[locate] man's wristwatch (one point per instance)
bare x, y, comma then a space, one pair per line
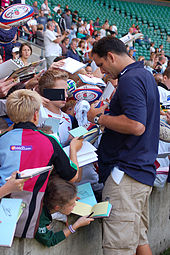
96, 118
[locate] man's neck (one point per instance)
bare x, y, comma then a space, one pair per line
53, 108
167, 85
123, 62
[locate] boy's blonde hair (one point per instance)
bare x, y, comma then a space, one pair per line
22, 104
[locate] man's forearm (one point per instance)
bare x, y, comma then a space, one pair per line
122, 124
58, 40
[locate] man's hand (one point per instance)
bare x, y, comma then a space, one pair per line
5, 86
94, 111
66, 33
56, 65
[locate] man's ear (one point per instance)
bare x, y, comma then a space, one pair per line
111, 57
165, 78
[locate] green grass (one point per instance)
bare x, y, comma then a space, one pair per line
167, 252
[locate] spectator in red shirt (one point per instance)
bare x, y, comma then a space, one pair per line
90, 27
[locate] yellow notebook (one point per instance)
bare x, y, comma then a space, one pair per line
99, 210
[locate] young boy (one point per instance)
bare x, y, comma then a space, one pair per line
58, 80
24, 147
60, 196
55, 80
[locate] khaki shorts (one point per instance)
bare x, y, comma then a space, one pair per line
127, 226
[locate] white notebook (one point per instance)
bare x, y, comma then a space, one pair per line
29, 173
7, 68
9, 213
85, 155
92, 80
71, 65
107, 92
127, 38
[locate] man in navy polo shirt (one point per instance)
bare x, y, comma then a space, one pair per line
128, 148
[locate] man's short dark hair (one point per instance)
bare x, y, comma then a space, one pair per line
167, 72
109, 44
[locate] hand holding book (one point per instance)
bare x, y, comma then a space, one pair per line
12, 185
29, 173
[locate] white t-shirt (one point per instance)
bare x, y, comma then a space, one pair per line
45, 9
65, 124
164, 94
56, 8
163, 147
152, 49
114, 28
32, 22
51, 48
102, 33
88, 27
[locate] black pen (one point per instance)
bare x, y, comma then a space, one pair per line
90, 215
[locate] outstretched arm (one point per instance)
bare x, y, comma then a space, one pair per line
12, 185
121, 123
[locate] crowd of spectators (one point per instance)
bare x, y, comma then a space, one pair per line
67, 25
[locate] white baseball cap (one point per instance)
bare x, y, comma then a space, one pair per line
15, 49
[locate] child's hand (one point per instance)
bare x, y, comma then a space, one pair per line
81, 222
76, 144
5, 86
14, 185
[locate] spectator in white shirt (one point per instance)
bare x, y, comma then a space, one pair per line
45, 8
51, 43
114, 28
56, 8
152, 49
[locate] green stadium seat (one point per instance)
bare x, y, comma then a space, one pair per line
153, 20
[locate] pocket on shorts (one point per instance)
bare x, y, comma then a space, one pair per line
120, 230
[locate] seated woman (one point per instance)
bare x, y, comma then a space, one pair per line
25, 52
60, 196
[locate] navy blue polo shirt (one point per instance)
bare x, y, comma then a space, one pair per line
137, 97
72, 54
